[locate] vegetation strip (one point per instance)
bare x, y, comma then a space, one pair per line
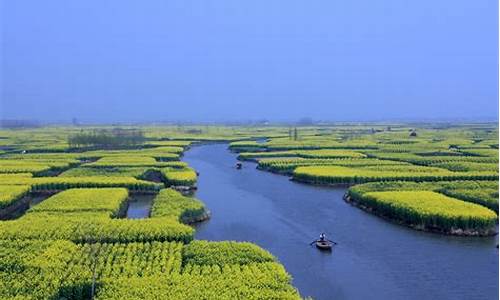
432, 211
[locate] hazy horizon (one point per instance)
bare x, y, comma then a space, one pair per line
6, 122
219, 61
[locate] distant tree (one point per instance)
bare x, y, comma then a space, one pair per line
107, 139
295, 134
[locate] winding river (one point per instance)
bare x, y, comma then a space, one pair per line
374, 259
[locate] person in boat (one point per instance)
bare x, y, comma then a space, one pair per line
322, 239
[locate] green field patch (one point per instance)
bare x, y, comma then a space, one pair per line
110, 201
431, 210
315, 142
480, 192
172, 204
64, 270
9, 194
34, 166
63, 183
181, 177
135, 172
486, 197
114, 171
82, 215
459, 166
93, 226
323, 153
345, 175
246, 146
224, 253
259, 281
481, 152
287, 165
125, 161
163, 153
429, 160
41, 269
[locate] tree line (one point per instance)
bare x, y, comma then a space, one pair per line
107, 138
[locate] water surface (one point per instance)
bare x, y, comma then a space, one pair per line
139, 206
375, 259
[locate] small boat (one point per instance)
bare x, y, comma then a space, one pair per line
324, 245
239, 165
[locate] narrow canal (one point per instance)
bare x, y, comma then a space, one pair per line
374, 259
139, 207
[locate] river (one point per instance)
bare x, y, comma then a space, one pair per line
374, 259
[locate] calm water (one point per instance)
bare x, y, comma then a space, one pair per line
140, 206
374, 259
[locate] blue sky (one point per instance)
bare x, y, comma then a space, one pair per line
208, 60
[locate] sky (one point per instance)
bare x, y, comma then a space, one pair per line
161, 60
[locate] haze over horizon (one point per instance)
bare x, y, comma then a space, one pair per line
107, 61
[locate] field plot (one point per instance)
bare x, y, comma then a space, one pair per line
62, 183
38, 167
336, 174
287, 165
107, 201
175, 176
54, 269
10, 194
431, 211
323, 153
92, 215
112, 171
481, 192
171, 204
